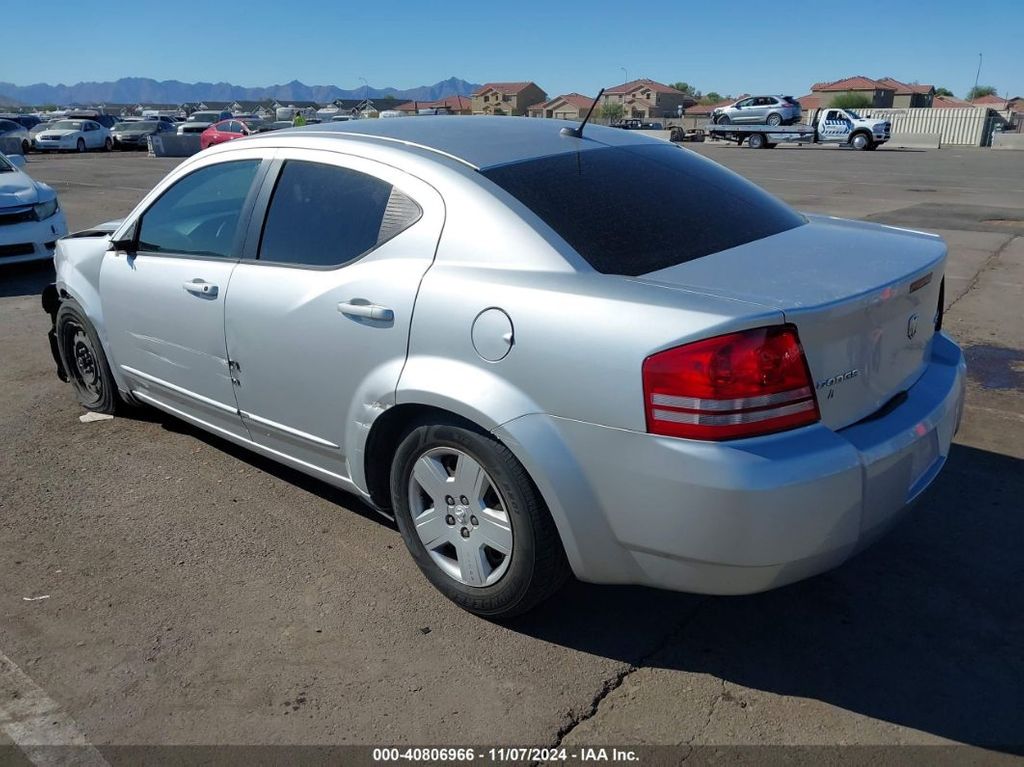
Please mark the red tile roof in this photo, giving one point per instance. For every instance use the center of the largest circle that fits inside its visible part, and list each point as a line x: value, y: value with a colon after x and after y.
x: 902, y: 88
x: 455, y: 103
x: 578, y: 100
x: 992, y: 100
x: 856, y: 83
x: 508, y: 89
x: 706, y: 109
x: 948, y: 102
x: 810, y: 102
x: 633, y: 85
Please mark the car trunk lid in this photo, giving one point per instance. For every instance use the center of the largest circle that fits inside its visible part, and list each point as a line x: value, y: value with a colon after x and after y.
x: 863, y: 297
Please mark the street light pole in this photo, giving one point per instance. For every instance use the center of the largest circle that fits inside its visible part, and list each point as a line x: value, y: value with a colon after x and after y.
x: 625, y: 73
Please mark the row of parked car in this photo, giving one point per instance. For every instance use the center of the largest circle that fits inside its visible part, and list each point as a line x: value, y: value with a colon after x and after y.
x: 92, y: 130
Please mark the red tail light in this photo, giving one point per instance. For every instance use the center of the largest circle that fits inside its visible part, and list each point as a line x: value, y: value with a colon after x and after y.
x: 737, y: 385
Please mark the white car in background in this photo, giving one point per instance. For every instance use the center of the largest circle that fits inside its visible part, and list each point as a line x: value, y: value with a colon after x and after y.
x: 31, y: 220
x: 76, y: 135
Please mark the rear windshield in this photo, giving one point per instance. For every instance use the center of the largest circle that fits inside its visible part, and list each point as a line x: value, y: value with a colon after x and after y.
x: 637, y: 209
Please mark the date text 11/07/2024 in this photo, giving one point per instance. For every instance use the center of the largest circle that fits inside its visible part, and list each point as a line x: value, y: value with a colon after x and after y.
x: 503, y: 754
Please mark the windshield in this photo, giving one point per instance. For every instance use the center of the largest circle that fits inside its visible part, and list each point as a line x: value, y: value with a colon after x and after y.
x: 637, y: 209
x: 67, y: 125
x: 204, y: 117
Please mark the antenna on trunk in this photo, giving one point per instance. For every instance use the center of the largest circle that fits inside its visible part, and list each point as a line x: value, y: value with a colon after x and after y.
x: 578, y: 132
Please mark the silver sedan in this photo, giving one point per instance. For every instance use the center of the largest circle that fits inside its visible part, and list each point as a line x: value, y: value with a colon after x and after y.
x: 544, y: 353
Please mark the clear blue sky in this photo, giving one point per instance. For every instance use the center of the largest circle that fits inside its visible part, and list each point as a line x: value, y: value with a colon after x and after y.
x: 564, y: 45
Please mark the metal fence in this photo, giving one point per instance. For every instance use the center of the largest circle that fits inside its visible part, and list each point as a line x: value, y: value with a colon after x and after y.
x: 966, y: 126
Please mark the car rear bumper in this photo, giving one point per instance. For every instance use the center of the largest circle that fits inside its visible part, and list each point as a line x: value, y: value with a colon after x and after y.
x: 743, y: 516
x: 31, y: 240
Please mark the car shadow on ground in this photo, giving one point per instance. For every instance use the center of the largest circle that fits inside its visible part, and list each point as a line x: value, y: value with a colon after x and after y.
x: 349, y: 501
x: 925, y: 629
x: 25, y: 279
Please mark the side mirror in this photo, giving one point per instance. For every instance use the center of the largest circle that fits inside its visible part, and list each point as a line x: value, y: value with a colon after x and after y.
x: 127, y: 242
x: 17, y: 160
x: 127, y: 245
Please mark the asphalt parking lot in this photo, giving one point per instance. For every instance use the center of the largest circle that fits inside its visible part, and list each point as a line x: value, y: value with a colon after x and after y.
x: 200, y: 594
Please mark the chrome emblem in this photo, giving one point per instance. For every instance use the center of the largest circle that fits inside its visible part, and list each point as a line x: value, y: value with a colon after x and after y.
x: 912, y: 326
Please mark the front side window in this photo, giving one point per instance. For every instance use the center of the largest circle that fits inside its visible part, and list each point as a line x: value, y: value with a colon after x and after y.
x: 198, y: 215
x: 326, y: 216
x: 636, y: 209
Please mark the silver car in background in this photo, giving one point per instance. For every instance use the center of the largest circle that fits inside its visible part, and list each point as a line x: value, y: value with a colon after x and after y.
x: 759, y: 110
x: 543, y: 353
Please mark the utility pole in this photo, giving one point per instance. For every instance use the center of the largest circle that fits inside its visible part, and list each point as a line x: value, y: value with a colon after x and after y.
x: 625, y: 73
x: 976, y: 76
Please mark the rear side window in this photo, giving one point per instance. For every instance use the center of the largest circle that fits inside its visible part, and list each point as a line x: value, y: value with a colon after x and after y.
x: 326, y: 216
x: 637, y: 209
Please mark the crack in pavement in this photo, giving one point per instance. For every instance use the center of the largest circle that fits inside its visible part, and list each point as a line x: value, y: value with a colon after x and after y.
x: 613, y: 683
x: 711, y: 715
x: 989, y: 264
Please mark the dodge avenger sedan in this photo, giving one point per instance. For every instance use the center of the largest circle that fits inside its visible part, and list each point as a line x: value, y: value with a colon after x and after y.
x: 543, y: 351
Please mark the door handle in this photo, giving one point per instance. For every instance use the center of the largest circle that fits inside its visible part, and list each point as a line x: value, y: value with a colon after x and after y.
x: 367, y: 310
x: 201, y: 288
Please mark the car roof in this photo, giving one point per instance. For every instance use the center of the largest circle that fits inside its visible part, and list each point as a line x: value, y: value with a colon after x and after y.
x: 479, y: 141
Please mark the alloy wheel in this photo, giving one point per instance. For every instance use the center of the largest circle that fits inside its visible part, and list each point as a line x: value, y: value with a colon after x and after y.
x: 460, y: 516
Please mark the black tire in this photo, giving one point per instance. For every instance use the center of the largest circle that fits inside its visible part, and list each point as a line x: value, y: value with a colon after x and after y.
x: 108, y: 144
x: 537, y: 567
x: 774, y: 119
x: 84, y: 360
x: 872, y: 147
x: 723, y: 120
x: 861, y: 141
x: 756, y: 141
x: 80, y: 146
x: 26, y: 146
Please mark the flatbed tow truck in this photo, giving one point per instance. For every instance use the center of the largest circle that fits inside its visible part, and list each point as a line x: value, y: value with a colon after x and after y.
x: 829, y: 126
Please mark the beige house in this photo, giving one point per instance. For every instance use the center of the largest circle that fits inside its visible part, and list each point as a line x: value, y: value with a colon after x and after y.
x: 910, y: 95
x: 507, y: 98
x: 878, y: 93
x: 647, y: 99
x: 568, y: 106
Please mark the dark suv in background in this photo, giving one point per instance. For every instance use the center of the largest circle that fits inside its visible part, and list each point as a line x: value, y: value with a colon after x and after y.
x: 107, y: 121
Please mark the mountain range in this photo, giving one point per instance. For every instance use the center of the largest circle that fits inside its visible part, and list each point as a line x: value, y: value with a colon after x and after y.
x: 134, y: 90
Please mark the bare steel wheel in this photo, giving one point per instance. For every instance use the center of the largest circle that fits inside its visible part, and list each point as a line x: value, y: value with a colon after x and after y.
x: 473, y: 520
x: 83, y: 359
x: 460, y: 516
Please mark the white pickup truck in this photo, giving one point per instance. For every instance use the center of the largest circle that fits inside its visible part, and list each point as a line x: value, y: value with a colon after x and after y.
x: 830, y: 125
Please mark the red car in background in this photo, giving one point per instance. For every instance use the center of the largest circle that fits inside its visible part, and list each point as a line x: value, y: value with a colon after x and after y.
x: 225, y: 130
